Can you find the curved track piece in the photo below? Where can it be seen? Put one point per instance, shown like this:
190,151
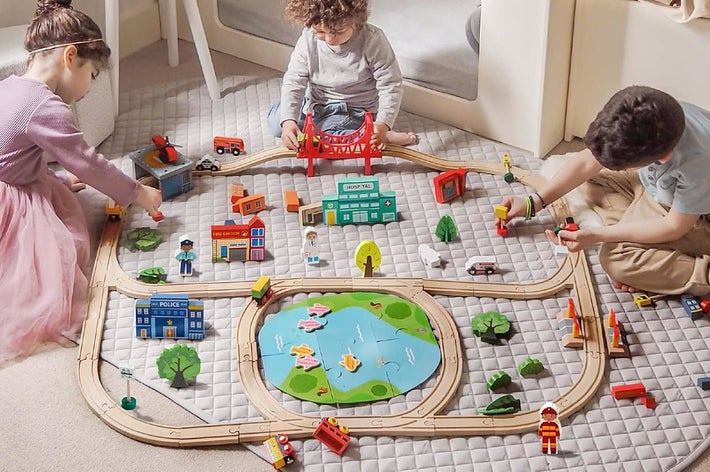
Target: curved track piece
423,420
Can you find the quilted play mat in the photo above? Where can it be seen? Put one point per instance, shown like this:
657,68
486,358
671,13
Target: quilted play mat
436,423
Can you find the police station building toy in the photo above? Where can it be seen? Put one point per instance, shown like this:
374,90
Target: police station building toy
170,316
359,201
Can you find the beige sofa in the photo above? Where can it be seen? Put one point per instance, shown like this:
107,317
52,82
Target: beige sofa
94,114
522,72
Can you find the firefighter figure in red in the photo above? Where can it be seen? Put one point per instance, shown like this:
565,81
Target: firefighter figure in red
549,429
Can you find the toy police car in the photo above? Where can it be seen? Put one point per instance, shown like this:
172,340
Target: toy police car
208,162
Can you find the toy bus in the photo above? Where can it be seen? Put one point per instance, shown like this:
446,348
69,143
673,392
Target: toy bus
261,290
279,451
223,144
481,265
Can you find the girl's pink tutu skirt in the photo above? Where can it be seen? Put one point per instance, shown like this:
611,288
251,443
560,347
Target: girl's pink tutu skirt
44,244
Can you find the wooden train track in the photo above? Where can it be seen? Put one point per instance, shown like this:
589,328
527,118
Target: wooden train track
425,419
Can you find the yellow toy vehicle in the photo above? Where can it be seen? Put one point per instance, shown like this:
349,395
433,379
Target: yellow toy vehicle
642,300
113,210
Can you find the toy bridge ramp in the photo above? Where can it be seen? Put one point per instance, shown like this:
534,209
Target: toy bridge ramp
317,144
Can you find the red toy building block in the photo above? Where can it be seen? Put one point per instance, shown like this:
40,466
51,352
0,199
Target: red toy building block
449,185
501,229
329,433
705,305
628,391
649,402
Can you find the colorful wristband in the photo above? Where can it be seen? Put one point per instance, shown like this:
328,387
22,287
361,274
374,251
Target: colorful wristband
544,205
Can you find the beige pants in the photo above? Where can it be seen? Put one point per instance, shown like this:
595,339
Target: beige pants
670,268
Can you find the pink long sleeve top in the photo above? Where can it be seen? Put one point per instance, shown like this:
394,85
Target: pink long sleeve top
33,119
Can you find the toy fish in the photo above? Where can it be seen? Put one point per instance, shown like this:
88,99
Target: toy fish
350,362
307,362
302,350
318,309
310,324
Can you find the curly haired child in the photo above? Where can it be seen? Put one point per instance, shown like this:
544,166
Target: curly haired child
44,240
647,170
340,68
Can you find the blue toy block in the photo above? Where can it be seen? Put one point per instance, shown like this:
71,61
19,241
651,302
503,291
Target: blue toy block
704,383
691,306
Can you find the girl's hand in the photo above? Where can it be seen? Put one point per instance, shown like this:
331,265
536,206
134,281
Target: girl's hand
379,135
75,185
149,198
574,240
289,134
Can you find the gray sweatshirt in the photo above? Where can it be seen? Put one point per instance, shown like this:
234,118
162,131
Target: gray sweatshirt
363,73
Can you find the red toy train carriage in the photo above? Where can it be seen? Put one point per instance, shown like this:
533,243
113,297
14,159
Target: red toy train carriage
317,144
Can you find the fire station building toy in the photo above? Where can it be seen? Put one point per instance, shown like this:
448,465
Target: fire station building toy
233,242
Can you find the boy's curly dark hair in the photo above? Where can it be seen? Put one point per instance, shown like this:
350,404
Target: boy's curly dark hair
637,126
56,22
331,13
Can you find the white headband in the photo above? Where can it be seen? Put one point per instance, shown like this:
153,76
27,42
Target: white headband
66,44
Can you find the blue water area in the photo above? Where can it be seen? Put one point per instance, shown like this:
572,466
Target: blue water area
387,354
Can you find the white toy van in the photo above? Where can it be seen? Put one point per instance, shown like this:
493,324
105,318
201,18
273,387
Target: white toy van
481,265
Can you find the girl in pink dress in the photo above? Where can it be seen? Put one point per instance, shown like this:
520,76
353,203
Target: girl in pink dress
44,241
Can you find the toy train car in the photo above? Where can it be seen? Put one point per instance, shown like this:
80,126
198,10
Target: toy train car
113,210
333,435
261,290
279,451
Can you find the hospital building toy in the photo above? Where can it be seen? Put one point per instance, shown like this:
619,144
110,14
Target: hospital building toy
359,201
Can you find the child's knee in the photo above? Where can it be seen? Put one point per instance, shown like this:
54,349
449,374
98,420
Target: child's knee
618,266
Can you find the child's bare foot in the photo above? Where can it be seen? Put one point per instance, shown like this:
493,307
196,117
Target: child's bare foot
401,138
622,287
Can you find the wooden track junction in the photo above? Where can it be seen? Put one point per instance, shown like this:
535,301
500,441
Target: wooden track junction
423,420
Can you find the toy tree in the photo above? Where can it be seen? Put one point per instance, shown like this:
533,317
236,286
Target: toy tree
490,326
153,275
530,366
178,364
499,380
368,257
446,229
144,239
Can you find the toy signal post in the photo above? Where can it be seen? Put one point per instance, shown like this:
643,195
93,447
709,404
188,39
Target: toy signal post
128,402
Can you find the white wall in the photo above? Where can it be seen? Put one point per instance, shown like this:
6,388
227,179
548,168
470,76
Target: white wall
140,22
20,12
